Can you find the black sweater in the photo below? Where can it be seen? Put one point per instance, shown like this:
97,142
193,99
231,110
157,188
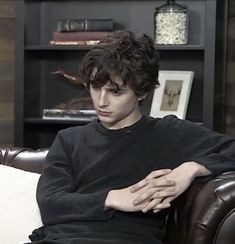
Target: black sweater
85,163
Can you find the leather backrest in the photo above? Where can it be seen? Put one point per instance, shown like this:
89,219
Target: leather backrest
23,158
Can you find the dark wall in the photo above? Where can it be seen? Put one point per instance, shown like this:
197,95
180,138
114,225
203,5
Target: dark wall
7,44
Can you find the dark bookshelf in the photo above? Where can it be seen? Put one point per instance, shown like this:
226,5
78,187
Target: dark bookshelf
36,89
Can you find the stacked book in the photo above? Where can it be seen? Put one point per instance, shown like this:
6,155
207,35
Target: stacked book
81,31
69,114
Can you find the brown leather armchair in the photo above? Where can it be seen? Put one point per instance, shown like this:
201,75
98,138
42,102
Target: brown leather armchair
205,214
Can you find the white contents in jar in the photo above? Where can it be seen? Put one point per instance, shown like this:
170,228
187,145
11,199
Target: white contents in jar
171,28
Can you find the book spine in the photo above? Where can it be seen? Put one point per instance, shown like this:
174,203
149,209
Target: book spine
71,43
73,25
62,114
79,36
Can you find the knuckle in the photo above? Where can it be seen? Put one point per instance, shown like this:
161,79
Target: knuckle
149,193
154,183
151,175
157,195
151,184
143,182
172,182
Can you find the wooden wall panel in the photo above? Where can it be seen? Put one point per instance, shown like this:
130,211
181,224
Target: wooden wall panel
230,79
7,45
7,9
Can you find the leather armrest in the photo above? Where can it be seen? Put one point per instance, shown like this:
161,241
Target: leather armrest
205,214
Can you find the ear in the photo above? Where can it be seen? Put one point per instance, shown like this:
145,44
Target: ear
141,98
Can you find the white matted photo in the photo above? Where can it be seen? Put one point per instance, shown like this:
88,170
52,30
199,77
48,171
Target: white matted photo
172,96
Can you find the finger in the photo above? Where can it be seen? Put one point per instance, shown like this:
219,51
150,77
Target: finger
166,188
163,198
154,193
160,183
169,199
164,194
144,196
152,204
161,206
158,173
166,203
139,185
152,175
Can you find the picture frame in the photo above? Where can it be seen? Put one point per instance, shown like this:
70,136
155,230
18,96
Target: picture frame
172,96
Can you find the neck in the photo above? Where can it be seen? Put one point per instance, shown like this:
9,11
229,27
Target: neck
122,123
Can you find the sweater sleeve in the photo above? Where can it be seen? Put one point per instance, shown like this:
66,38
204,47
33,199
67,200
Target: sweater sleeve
57,197
213,150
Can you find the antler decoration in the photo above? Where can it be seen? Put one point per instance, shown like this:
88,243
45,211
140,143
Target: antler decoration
73,79
171,94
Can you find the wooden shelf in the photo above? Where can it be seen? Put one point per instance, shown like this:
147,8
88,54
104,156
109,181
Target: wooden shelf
85,48
57,47
40,121
180,47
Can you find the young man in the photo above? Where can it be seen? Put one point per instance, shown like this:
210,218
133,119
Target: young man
113,180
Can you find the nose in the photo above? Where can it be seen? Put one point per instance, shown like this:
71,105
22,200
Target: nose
103,99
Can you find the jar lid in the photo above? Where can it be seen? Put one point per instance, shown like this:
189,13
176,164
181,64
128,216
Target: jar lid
171,7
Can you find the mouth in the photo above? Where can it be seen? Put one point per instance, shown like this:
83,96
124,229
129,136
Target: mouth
103,113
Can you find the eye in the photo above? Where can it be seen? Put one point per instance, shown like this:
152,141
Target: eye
94,87
115,92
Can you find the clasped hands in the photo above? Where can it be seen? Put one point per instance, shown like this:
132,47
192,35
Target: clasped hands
157,190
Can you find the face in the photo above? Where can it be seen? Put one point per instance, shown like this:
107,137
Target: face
115,108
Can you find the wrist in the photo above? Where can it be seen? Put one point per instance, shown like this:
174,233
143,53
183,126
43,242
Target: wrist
109,201
196,169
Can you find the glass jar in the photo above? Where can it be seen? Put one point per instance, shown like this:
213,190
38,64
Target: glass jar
171,24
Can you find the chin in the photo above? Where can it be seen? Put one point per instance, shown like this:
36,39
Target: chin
105,119
109,122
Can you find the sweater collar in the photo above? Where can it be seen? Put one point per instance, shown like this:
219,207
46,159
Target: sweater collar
124,130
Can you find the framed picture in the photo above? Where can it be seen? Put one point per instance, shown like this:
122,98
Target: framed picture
172,96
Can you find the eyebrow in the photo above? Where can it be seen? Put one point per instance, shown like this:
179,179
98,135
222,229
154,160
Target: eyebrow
117,87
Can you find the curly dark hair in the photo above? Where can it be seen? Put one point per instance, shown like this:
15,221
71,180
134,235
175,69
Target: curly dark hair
127,55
